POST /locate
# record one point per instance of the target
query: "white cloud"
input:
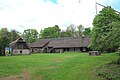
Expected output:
(83, 12)
(24, 14)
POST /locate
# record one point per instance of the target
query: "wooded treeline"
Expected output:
(31, 35)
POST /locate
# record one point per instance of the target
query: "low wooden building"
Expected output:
(20, 47)
(70, 44)
(39, 46)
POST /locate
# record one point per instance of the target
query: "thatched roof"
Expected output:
(64, 42)
(70, 42)
(40, 43)
(19, 40)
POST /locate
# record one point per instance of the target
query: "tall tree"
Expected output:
(40, 34)
(71, 31)
(80, 29)
(30, 35)
(4, 38)
(113, 37)
(51, 32)
(14, 35)
(102, 29)
(63, 34)
(87, 31)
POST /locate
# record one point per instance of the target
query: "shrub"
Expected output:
(119, 51)
(109, 71)
(118, 61)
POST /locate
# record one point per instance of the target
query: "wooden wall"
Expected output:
(20, 51)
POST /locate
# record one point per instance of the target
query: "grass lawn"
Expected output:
(66, 66)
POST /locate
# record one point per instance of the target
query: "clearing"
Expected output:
(66, 66)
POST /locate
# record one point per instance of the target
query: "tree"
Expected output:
(30, 35)
(87, 31)
(4, 38)
(113, 37)
(69, 32)
(14, 35)
(51, 32)
(80, 30)
(102, 28)
(73, 31)
(63, 34)
(40, 35)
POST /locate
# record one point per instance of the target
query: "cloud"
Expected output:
(38, 14)
(83, 12)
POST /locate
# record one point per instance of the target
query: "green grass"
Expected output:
(66, 66)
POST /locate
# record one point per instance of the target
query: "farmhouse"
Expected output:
(19, 47)
(72, 44)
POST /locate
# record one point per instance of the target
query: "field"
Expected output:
(66, 66)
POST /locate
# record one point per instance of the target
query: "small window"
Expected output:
(20, 52)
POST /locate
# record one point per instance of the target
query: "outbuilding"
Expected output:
(19, 46)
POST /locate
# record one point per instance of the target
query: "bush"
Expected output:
(118, 61)
(119, 51)
(109, 71)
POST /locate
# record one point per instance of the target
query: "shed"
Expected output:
(19, 46)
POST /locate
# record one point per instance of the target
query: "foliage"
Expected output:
(50, 32)
(106, 25)
(118, 61)
(69, 32)
(67, 66)
(109, 71)
(87, 31)
(118, 51)
(113, 37)
(80, 30)
(4, 38)
(30, 35)
(14, 35)
(73, 31)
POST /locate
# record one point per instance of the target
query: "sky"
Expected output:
(40, 14)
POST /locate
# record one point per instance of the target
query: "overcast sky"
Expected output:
(38, 14)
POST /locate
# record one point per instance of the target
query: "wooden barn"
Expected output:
(20, 47)
(69, 44)
(39, 46)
